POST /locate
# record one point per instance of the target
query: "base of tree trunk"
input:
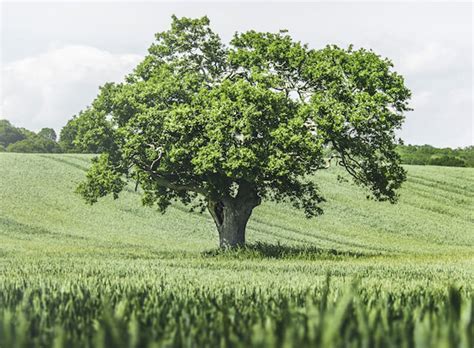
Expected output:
(231, 239)
(231, 221)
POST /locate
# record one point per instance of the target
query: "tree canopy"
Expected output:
(48, 133)
(9, 134)
(88, 132)
(230, 125)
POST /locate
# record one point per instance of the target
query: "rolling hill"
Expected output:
(40, 213)
(123, 275)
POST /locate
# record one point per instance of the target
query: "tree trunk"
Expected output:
(231, 216)
(232, 229)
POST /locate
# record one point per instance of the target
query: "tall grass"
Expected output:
(130, 314)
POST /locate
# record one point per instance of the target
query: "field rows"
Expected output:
(118, 274)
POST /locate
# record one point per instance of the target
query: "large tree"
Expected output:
(228, 126)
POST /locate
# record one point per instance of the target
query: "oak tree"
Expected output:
(228, 126)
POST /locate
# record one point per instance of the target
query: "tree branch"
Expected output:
(162, 181)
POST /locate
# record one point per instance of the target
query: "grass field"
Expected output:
(118, 274)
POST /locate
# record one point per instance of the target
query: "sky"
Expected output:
(55, 55)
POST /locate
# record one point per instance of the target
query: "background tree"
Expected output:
(13, 139)
(48, 133)
(449, 161)
(9, 134)
(429, 155)
(34, 144)
(228, 126)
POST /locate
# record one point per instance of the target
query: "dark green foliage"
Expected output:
(14, 139)
(34, 144)
(48, 133)
(430, 155)
(105, 181)
(245, 122)
(27, 133)
(261, 250)
(86, 133)
(67, 136)
(9, 134)
(448, 161)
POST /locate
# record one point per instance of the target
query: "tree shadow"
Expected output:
(261, 250)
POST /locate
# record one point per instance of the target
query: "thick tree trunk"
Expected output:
(231, 216)
(232, 229)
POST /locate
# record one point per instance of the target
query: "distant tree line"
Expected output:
(80, 135)
(13, 139)
(84, 133)
(429, 155)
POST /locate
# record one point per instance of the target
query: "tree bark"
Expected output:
(231, 216)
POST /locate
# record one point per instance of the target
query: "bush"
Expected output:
(36, 144)
(449, 161)
(429, 155)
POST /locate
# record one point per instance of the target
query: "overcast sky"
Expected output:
(54, 55)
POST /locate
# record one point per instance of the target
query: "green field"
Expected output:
(118, 274)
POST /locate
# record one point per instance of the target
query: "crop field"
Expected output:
(117, 274)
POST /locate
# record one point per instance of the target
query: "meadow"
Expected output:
(117, 274)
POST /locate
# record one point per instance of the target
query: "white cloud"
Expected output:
(430, 58)
(47, 89)
(421, 99)
(430, 44)
(439, 74)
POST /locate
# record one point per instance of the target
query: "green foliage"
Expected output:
(9, 134)
(67, 136)
(34, 144)
(447, 161)
(48, 133)
(118, 274)
(105, 180)
(248, 120)
(87, 133)
(429, 155)
(27, 133)
(14, 139)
